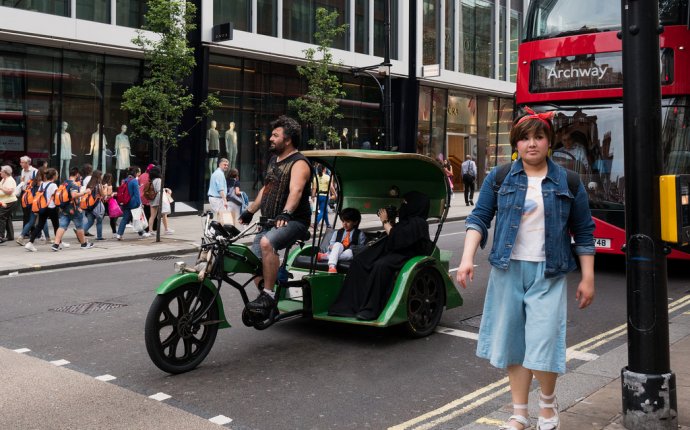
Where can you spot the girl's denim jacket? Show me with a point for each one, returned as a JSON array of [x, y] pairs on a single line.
[[564, 214]]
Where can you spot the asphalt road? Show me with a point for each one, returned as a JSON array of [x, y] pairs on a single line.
[[298, 374]]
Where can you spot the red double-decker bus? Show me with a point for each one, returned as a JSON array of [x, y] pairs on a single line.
[[570, 62]]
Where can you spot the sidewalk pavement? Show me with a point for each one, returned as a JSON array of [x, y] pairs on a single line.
[[589, 396]]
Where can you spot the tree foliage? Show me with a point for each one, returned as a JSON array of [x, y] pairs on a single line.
[[319, 106], [156, 106]]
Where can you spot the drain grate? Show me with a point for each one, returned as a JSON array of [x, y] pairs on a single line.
[[87, 308], [165, 257], [473, 322]]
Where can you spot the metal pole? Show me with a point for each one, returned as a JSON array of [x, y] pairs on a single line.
[[649, 387], [387, 96]]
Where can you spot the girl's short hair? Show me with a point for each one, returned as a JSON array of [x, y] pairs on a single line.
[[531, 123]]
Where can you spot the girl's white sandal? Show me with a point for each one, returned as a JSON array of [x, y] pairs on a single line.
[[553, 423], [523, 421]]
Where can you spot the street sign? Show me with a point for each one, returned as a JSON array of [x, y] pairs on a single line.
[[431, 70]]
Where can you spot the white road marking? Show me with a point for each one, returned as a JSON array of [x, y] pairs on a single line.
[[451, 234], [160, 397], [59, 362], [220, 420], [571, 354], [457, 333], [22, 350], [105, 378]]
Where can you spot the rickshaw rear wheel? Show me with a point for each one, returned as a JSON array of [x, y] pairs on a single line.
[[174, 343], [425, 300]]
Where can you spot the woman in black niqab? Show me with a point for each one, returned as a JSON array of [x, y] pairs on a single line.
[[370, 279]]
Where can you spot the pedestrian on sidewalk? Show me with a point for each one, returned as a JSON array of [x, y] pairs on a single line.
[[8, 201], [50, 212], [95, 189], [26, 180], [36, 183], [134, 202], [158, 202], [70, 212], [469, 176], [218, 188], [524, 320]]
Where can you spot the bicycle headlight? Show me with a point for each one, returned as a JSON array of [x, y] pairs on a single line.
[[180, 266]]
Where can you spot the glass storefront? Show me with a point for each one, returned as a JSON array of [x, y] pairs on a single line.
[[64, 106], [254, 93]]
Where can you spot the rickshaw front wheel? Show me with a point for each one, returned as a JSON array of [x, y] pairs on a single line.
[[425, 301], [176, 340]]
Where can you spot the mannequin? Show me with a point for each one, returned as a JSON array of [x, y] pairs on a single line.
[[65, 142], [231, 145], [95, 146], [123, 151], [343, 140], [355, 139], [212, 147]]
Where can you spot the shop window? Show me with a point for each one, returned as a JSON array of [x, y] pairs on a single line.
[[476, 46], [94, 10], [130, 13], [362, 26], [299, 19], [430, 30], [237, 12], [380, 29], [267, 17]]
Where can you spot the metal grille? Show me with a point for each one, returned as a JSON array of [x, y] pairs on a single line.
[[87, 308], [164, 257]]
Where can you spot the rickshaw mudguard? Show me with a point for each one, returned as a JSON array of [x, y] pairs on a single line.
[[179, 279]]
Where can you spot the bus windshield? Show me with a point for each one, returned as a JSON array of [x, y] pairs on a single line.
[[589, 141], [556, 18]]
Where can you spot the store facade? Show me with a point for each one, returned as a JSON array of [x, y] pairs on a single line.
[[70, 62]]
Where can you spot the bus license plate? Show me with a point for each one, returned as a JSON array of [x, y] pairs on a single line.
[[602, 243]]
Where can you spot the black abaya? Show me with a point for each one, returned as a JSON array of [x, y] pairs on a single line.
[[369, 281]]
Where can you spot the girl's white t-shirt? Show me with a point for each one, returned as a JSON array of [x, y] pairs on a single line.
[[50, 190], [529, 243]]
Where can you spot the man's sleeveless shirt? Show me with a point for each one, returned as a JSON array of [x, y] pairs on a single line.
[[277, 189]]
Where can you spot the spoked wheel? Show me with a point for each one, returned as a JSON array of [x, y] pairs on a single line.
[[425, 301], [174, 343]]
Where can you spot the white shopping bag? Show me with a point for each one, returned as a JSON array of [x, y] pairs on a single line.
[[139, 221]]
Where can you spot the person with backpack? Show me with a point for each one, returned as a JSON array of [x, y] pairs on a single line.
[[129, 197], [92, 205], [26, 180], [67, 200], [44, 207], [32, 189], [523, 327], [145, 203], [153, 193]]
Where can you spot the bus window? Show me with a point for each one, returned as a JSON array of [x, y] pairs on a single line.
[[675, 136]]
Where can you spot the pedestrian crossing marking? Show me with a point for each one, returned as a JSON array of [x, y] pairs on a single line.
[[105, 378], [457, 333], [220, 420], [160, 397], [22, 350]]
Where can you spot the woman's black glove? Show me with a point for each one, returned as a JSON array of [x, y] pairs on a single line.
[[246, 217]]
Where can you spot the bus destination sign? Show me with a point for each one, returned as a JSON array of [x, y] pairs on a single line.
[[579, 72]]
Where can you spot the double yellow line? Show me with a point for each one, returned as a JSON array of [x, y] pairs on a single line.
[[477, 398]]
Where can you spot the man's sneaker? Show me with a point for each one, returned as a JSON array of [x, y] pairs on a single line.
[[263, 302], [20, 241], [56, 247], [86, 245], [65, 244], [117, 236], [30, 247]]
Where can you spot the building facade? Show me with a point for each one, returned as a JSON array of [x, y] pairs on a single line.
[[64, 66]]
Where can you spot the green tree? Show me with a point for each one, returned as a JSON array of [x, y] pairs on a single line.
[[319, 106], [157, 105]]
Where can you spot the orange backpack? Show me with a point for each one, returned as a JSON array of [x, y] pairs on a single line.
[[40, 203], [88, 202], [29, 193], [63, 195]]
